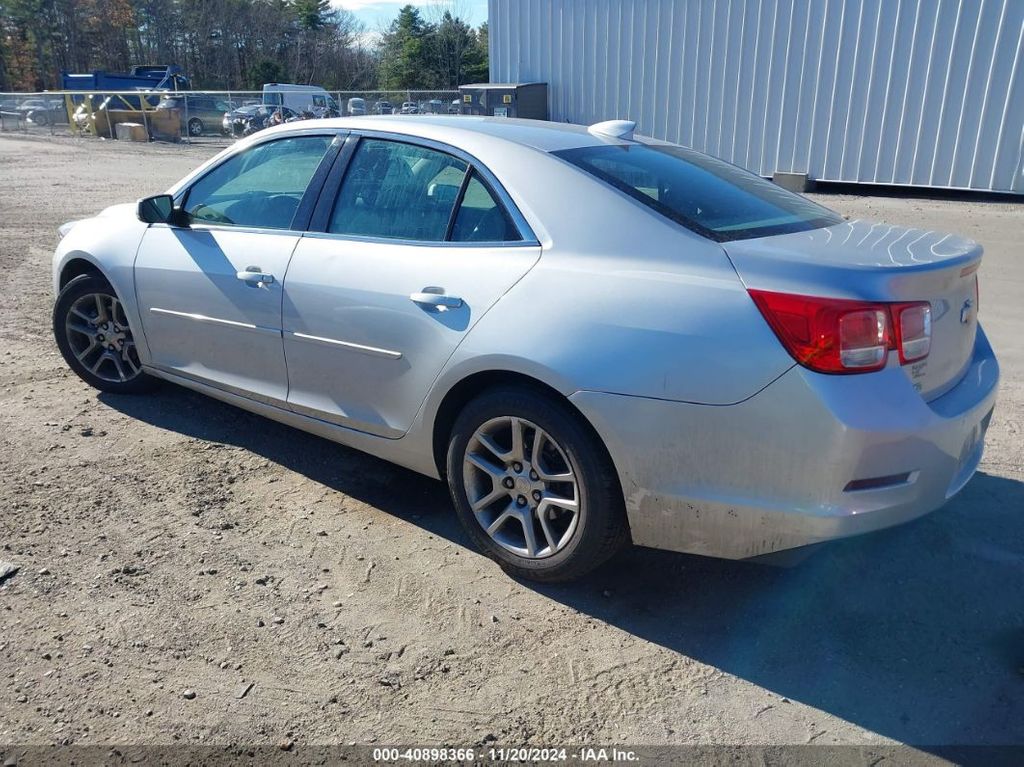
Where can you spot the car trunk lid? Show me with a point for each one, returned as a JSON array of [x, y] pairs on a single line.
[[879, 262]]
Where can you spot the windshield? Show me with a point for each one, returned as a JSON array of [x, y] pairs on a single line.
[[709, 196]]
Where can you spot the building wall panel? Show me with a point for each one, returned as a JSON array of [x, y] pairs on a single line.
[[922, 92]]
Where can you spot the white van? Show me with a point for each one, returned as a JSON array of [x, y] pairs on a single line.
[[356, 106], [301, 98]]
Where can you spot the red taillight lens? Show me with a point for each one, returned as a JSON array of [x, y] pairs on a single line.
[[863, 339], [832, 335], [914, 322]]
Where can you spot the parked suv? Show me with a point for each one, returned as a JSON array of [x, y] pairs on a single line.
[[198, 114]]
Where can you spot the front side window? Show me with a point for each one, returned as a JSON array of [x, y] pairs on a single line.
[[710, 196], [260, 187], [397, 191]]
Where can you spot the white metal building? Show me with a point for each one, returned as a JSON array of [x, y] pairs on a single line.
[[921, 92]]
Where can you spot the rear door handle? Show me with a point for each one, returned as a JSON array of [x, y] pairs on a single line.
[[255, 277], [436, 299]]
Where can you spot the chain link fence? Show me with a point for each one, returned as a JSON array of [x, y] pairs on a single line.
[[203, 117]]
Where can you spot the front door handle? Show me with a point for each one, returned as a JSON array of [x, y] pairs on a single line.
[[440, 300], [255, 277]]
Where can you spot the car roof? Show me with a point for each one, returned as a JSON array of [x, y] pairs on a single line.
[[539, 134]]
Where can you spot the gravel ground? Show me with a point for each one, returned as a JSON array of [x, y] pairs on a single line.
[[190, 573]]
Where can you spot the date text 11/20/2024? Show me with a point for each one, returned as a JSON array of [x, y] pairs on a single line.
[[495, 754]]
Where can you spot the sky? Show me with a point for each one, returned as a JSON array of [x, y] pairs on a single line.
[[376, 14]]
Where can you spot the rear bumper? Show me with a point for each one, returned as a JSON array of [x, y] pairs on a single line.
[[774, 472]]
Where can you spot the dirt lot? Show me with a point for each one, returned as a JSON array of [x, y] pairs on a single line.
[[171, 544]]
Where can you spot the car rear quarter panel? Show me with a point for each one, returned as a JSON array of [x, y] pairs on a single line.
[[623, 301]]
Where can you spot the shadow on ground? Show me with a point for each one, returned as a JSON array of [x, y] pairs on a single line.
[[915, 633]]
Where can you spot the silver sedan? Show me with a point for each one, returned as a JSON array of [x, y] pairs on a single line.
[[593, 337]]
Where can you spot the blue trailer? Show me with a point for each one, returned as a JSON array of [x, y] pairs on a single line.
[[143, 77]]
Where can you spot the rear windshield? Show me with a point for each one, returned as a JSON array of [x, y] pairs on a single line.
[[707, 195]]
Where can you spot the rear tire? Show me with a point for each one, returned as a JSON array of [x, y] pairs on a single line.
[[546, 505], [94, 337], [195, 127]]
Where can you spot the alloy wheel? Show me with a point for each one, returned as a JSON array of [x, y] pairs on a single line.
[[521, 487], [99, 337]]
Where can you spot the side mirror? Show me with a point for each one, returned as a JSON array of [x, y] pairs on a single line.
[[158, 209]]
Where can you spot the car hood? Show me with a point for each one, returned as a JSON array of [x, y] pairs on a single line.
[[121, 209]]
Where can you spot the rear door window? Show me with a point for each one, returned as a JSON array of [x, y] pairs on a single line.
[[710, 196], [395, 190]]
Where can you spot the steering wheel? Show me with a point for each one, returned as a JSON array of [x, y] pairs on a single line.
[[206, 213]]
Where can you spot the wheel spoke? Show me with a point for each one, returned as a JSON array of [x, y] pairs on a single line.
[[546, 476], [82, 315], [120, 368], [539, 437], [128, 355], [545, 525], [500, 520], [516, 452], [98, 362], [488, 441], [85, 330], [495, 472], [526, 520], [93, 344], [101, 309], [491, 497], [569, 504]]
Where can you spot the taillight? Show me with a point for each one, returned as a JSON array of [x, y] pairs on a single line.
[[833, 335], [863, 339], [914, 323]]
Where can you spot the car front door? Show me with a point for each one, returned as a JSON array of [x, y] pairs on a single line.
[[417, 244], [210, 291]]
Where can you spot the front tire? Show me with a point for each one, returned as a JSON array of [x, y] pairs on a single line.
[[195, 127], [533, 486], [93, 335]]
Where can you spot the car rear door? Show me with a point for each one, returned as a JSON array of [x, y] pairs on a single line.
[[210, 292], [416, 245]]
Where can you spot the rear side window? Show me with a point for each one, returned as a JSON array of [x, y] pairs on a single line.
[[707, 195], [481, 218]]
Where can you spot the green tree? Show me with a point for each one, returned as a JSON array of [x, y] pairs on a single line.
[[406, 52], [265, 71], [453, 44], [478, 68], [220, 43], [312, 14]]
